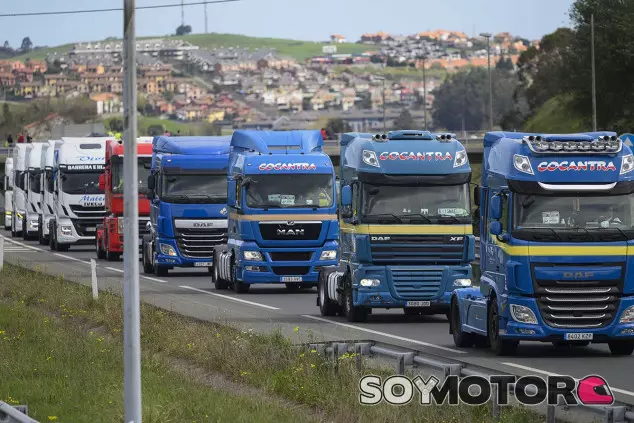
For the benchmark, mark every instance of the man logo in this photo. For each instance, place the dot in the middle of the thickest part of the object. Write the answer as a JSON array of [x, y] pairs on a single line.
[[380, 238], [456, 238], [290, 232]]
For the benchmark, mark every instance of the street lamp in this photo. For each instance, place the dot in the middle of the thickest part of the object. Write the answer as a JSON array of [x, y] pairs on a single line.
[[594, 83], [488, 35], [382, 78]]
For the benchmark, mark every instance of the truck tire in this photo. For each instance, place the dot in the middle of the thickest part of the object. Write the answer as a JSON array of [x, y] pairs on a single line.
[[327, 307], [460, 339], [25, 234], [621, 347], [101, 254], [63, 247], [501, 347], [110, 256], [353, 313], [293, 286], [215, 275], [147, 266], [238, 286], [160, 270]]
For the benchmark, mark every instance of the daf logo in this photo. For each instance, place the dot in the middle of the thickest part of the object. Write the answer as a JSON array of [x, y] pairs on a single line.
[[203, 224], [290, 223], [578, 275], [380, 238], [223, 211], [290, 232], [456, 238]]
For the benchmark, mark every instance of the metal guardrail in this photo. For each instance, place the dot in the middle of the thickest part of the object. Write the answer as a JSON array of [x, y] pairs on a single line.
[[618, 413], [18, 414]]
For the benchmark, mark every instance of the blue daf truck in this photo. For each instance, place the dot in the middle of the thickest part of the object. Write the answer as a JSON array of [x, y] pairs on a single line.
[[282, 211], [406, 236], [557, 244], [187, 188]]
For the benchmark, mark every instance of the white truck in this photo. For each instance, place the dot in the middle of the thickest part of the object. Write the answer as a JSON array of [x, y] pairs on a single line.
[[48, 184], [33, 188], [79, 204], [19, 190], [8, 193]]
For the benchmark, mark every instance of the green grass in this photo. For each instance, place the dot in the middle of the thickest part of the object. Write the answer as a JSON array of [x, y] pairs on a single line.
[[50, 317], [186, 129], [555, 116], [40, 54]]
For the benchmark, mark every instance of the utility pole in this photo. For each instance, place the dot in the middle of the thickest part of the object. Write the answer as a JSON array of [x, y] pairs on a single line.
[[488, 35], [594, 80], [183, 12], [131, 297], [206, 18], [424, 93], [384, 122]]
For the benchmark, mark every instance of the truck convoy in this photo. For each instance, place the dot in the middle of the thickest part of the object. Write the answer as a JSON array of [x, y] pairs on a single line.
[[187, 190], [557, 225], [109, 237], [405, 236], [78, 203], [30, 225], [8, 193], [47, 189], [19, 189], [282, 221]]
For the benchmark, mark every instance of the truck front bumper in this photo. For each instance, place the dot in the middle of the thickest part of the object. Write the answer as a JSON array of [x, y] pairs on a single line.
[[32, 222], [67, 234], [176, 259], [512, 329]]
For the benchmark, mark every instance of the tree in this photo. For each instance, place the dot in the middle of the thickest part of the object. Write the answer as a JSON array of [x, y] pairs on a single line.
[[6, 45], [337, 126], [115, 124], [27, 45], [154, 130], [404, 120], [80, 110], [183, 30], [505, 64]]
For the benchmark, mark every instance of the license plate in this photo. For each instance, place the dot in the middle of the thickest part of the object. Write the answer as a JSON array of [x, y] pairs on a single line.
[[203, 264], [578, 337], [418, 304], [89, 229], [291, 278]]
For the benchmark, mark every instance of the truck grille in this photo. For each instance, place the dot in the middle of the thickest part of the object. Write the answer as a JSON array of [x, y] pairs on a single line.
[[579, 304], [290, 270], [291, 256], [85, 227], [428, 249], [298, 231], [416, 284], [199, 242], [88, 212]]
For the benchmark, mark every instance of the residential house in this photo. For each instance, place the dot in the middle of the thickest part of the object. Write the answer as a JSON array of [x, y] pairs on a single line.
[[107, 103], [337, 38], [24, 75], [348, 98], [7, 79]]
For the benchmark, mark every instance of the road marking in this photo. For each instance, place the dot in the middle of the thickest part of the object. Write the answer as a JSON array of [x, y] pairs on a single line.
[[229, 297], [388, 335], [153, 279], [23, 245], [534, 370], [114, 269], [71, 258]]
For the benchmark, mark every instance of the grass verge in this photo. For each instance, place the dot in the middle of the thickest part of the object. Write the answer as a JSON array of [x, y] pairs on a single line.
[[44, 316]]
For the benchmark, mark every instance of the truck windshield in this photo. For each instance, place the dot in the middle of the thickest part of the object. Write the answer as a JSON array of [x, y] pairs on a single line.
[[289, 191], [432, 204], [118, 177], [572, 212], [34, 181], [50, 182], [81, 183], [194, 188]]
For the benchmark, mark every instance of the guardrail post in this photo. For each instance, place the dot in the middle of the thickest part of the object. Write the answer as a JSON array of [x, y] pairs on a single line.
[[335, 357], [550, 413], [1, 252], [358, 360], [451, 369], [614, 414], [400, 365], [93, 271], [495, 406]]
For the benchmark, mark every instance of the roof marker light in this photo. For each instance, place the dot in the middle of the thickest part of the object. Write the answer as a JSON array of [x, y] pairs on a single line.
[[523, 164], [369, 158], [556, 146]]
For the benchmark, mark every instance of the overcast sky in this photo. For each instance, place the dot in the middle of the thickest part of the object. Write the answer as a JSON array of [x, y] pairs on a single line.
[[297, 19]]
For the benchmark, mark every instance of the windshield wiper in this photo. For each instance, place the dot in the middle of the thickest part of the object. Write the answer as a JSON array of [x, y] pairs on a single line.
[[449, 218], [383, 215], [422, 216], [602, 235], [538, 237]]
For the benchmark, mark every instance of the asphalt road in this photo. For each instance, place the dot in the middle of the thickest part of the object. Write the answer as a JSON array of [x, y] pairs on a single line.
[[267, 308]]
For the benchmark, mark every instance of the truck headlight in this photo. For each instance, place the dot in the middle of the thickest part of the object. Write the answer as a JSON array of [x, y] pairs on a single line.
[[461, 158], [523, 314], [523, 164], [627, 164], [168, 250], [120, 225], [33, 224], [628, 315], [462, 282], [66, 230], [369, 282], [252, 255], [328, 255]]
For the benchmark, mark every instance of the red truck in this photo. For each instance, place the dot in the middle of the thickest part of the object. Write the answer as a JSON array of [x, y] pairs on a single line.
[[109, 238]]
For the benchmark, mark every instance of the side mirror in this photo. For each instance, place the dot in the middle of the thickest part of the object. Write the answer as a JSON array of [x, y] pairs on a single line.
[[496, 207], [495, 228], [346, 196], [102, 182], [476, 195], [150, 183]]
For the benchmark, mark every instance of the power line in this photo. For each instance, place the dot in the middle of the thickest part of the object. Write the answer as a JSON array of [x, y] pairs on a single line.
[[114, 9]]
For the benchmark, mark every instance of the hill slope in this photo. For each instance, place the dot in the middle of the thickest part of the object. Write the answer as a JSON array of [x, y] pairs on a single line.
[[555, 116]]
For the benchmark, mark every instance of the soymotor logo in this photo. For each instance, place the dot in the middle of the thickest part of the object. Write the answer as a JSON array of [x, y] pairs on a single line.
[[477, 390]]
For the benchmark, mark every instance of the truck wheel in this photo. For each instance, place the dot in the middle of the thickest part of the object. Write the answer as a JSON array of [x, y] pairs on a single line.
[[101, 254], [63, 247], [25, 234], [292, 286], [147, 267], [460, 339], [327, 307], [621, 347], [110, 256], [238, 286], [215, 275], [160, 270], [353, 313], [499, 346]]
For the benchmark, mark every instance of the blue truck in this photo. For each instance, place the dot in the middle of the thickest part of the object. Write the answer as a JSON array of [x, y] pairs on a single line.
[[406, 236], [557, 244], [187, 188], [282, 211]]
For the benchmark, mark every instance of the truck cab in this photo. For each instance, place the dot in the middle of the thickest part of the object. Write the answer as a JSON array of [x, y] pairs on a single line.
[[30, 226], [47, 189], [557, 235], [282, 220], [405, 239], [187, 190], [109, 238], [8, 193], [78, 200], [20, 176]]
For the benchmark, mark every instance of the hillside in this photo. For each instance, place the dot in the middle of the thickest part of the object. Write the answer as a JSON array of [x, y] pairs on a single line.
[[300, 50], [555, 116]]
